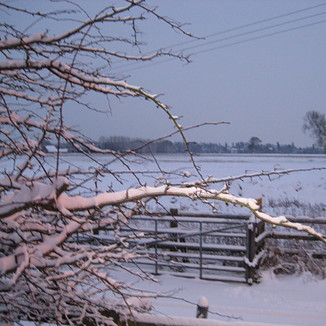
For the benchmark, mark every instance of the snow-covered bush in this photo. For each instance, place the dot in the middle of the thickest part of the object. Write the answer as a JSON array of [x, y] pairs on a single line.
[[298, 261]]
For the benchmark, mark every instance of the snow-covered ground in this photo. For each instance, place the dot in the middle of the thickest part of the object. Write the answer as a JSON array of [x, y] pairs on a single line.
[[309, 187], [277, 300], [300, 193], [292, 300], [302, 186]]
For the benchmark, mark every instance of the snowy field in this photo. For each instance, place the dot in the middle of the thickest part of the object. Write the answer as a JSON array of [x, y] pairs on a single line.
[[300, 193], [287, 300], [277, 300], [281, 300]]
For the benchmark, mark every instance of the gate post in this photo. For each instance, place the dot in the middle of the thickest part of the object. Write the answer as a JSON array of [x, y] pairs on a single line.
[[174, 224], [200, 250], [250, 251], [156, 255]]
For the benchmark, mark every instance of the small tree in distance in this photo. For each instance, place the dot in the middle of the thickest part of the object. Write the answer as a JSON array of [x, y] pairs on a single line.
[[254, 144], [315, 123], [45, 274]]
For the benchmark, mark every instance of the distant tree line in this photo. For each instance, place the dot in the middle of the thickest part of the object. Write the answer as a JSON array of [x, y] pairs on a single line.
[[254, 145], [314, 123], [144, 146]]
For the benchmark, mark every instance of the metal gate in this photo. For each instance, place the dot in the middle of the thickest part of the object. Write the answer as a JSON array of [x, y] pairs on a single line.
[[214, 247], [221, 247]]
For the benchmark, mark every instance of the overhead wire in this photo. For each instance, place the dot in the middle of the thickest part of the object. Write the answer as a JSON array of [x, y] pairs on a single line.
[[240, 27], [128, 67], [225, 45], [254, 31], [264, 20], [261, 36]]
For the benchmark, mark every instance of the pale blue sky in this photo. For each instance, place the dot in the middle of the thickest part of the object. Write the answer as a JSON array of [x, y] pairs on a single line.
[[263, 87]]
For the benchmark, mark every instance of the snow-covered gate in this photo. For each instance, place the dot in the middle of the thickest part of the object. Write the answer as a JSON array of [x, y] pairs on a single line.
[[220, 247], [214, 247]]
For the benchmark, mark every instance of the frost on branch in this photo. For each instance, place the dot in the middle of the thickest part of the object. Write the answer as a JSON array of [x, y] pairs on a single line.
[[53, 267]]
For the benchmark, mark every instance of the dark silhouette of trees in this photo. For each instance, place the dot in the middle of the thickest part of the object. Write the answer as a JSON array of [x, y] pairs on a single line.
[[315, 123], [254, 144]]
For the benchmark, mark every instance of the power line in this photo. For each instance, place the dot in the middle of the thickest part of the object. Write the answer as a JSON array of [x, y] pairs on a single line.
[[230, 44], [228, 31], [261, 36], [245, 26], [254, 31]]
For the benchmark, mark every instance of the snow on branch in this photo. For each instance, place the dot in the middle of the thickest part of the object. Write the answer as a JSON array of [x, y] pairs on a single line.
[[211, 180], [32, 194], [79, 203], [42, 38], [48, 201], [53, 198]]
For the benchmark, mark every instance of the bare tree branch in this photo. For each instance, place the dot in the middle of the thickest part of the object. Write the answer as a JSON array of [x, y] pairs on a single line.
[[48, 200]]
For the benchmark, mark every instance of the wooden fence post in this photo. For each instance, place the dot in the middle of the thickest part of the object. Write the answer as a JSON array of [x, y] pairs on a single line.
[[254, 229], [250, 252], [202, 308], [175, 236], [174, 224], [156, 254], [174, 212], [200, 250]]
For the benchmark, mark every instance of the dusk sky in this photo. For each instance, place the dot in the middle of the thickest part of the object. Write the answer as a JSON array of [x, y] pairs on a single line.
[[261, 67]]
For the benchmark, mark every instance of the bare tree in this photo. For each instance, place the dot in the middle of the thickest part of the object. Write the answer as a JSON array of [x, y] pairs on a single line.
[[45, 201], [254, 144], [315, 123]]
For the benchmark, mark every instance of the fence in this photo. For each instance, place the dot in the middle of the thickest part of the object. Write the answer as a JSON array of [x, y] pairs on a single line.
[[289, 251], [219, 247]]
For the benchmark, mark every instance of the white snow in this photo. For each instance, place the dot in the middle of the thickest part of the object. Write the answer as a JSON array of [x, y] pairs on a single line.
[[281, 300], [277, 300], [141, 303], [202, 302]]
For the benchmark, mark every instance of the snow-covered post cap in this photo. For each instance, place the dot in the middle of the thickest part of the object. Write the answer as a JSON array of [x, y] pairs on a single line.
[[202, 307]]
